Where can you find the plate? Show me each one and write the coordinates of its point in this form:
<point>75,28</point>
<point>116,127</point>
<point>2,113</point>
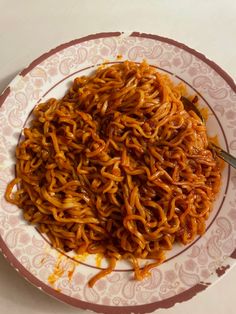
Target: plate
<point>188,269</point>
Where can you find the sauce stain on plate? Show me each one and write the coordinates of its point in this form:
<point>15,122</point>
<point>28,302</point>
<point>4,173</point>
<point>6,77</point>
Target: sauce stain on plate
<point>99,258</point>
<point>80,257</point>
<point>58,271</point>
<point>70,272</point>
<point>64,266</point>
<point>204,112</point>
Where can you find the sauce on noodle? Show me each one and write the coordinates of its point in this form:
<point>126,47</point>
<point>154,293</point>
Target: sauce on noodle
<point>117,167</point>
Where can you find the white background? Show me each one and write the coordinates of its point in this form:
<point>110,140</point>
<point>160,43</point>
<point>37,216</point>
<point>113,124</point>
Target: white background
<point>30,28</point>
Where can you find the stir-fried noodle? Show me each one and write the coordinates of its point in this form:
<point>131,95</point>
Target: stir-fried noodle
<point>117,167</point>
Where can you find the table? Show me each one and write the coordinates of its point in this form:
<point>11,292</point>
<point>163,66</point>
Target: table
<point>30,28</point>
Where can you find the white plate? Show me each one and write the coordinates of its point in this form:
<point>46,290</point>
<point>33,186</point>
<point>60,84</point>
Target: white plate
<point>187,270</point>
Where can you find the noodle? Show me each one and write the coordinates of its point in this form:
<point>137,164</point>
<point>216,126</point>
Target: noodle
<point>117,167</point>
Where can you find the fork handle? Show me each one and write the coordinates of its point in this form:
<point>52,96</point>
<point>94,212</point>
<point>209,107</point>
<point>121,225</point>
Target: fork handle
<point>224,155</point>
